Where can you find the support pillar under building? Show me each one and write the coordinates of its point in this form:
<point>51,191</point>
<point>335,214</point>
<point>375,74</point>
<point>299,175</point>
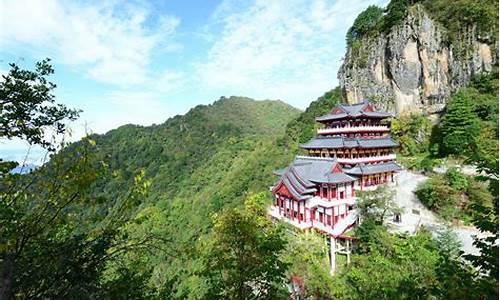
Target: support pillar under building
<point>333,254</point>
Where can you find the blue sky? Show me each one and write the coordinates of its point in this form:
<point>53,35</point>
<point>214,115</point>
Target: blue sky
<point>142,62</point>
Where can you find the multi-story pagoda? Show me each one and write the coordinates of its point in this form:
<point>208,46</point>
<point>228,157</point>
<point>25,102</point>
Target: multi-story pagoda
<point>353,151</point>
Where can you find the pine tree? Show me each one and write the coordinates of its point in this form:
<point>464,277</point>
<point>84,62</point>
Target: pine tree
<point>460,125</point>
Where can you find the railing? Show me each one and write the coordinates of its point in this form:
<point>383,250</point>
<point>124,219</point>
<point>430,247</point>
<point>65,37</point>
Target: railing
<point>338,228</point>
<point>379,128</point>
<point>366,159</point>
<point>329,203</point>
<point>274,211</point>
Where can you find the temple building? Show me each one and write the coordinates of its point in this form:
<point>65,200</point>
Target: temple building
<point>352,152</point>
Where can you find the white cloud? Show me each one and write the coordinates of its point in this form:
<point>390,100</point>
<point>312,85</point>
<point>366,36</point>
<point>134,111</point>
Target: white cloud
<point>279,49</point>
<point>108,41</point>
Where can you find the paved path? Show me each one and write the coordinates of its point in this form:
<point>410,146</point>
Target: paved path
<point>416,214</point>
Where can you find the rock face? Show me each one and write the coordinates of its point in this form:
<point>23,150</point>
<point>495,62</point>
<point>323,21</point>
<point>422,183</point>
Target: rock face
<point>413,68</point>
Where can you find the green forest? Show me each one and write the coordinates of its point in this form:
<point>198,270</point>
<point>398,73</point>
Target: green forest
<point>178,210</point>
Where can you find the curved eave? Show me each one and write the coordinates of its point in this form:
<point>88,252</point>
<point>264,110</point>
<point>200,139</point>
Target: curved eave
<point>327,118</point>
<point>372,169</point>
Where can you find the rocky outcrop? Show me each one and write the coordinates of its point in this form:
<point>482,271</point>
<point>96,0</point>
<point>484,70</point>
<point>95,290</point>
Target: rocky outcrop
<point>413,67</point>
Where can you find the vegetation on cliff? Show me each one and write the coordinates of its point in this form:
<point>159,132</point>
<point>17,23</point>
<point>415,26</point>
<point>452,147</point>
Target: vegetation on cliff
<point>463,15</point>
<point>172,211</point>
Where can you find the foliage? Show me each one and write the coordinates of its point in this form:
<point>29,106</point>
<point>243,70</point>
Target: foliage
<point>27,105</point>
<point>396,11</point>
<point>366,22</point>
<point>463,17</point>
<point>457,180</point>
<point>459,126</point>
<point>50,220</point>
<point>130,245</point>
<point>242,254</point>
<point>387,266</point>
<point>486,218</point>
<point>436,194</point>
<point>454,195</point>
<point>464,14</point>
<point>413,133</point>
<point>307,255</point>
<point>377,204</point>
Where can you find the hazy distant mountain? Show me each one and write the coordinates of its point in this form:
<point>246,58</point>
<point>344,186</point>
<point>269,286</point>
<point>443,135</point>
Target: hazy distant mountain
<point>24,169</point>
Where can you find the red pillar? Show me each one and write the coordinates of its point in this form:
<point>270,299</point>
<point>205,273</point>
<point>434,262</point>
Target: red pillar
<point>298,213</point>
<point>324,216</point>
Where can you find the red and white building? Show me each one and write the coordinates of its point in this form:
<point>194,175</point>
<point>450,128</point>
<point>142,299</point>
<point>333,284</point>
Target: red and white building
<point>352,152</point>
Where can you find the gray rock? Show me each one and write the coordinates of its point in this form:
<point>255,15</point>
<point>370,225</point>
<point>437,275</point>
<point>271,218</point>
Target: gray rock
<point>413,68</point>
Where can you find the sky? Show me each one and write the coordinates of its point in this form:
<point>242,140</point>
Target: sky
<point>142,62</point>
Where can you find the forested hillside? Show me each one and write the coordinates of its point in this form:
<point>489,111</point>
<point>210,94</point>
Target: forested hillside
<point>198,164</point>
<point>174,153</point>
<point>178,210</point>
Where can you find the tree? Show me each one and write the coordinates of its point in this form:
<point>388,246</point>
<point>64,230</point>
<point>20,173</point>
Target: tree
<point>242,255</point>
<point>459,125</point>
<point>395,11</point>
<point>27,105</point>
<point>378,204</point>
<point>390,266</point>
<point>27,108</point>
<point>51,222</point>
<point>486,218</point>
<point>365,23</point>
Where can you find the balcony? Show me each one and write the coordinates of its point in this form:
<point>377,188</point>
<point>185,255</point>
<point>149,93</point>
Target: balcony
<point>341,225</point>
<point>315,201</point>
<point>274,212</point>
<point>377,128</point>
<point>366,159</point>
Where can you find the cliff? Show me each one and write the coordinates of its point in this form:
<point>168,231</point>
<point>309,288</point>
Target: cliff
<point>414,65</point>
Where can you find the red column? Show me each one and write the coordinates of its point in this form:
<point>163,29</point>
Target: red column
<point>324,216</point>
<point>298,213</point>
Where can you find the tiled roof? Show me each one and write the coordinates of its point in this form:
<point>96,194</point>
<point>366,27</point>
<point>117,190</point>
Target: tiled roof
<point>341,142</point>
<point>302,176</point>
<point>362,169</point>
<point>354,110</point>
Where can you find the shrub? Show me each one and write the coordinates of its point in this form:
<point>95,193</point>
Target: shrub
<point>457,180</point>
<point>367,22</point>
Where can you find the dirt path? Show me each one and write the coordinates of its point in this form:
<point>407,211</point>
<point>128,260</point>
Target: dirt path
<point>416,214</point>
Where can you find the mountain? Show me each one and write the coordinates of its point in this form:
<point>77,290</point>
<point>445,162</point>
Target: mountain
<point>412,55</point>
<point>199,164</point>
<point>189,152</point>
<point>24,169</point>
